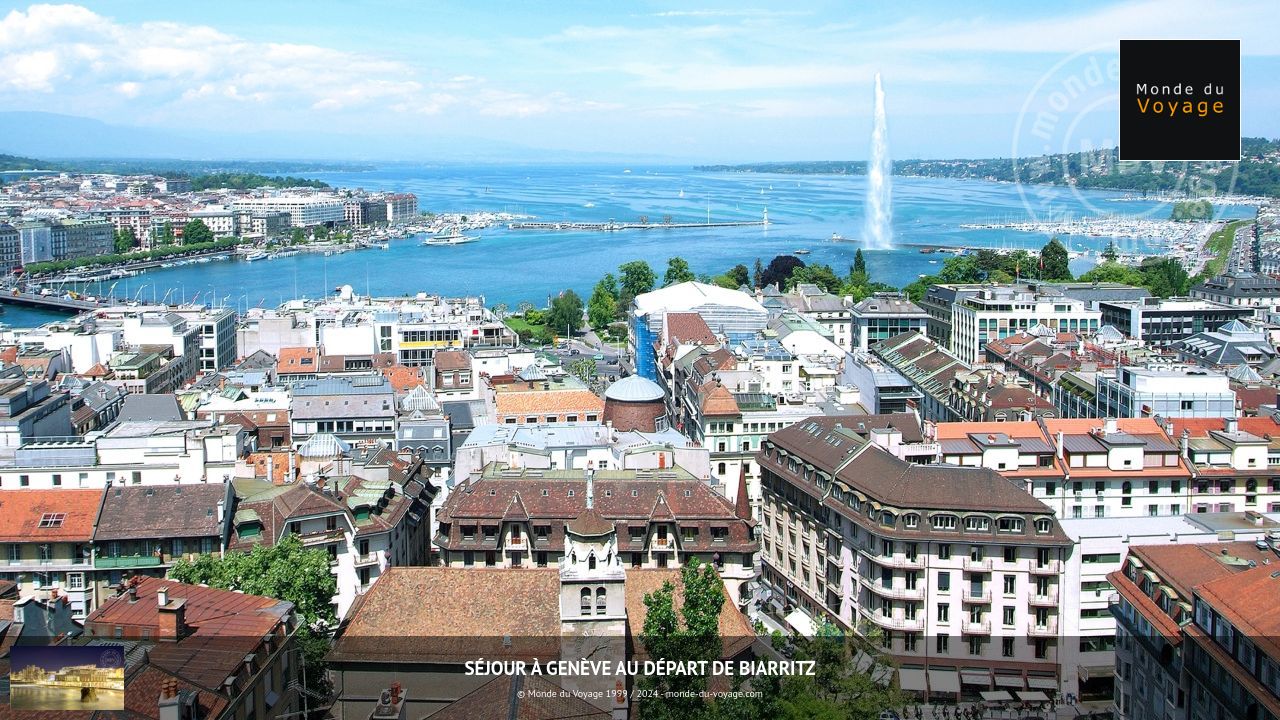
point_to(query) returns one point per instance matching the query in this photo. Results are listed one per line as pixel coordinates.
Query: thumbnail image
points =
(67, 678)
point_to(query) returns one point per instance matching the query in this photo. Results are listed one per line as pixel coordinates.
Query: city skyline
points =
(711, 82)
(57, 657)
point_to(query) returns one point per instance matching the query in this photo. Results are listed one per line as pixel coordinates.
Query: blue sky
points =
(689, 80)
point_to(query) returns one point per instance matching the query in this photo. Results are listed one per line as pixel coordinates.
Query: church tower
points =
(593, 605)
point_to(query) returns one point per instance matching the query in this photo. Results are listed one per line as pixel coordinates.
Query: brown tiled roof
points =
(422, 614)
(23, 512)
(1200, 427)
(452, 360)
(687, 328)
(98, 371)
(1183, 566)
(589, 523)
(142, 692)
(1248, 600)
(163, 511)
(402, 378)
(297, 360)
(549, 402)
(717, 400)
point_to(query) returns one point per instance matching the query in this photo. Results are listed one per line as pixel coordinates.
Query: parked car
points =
(598, 356)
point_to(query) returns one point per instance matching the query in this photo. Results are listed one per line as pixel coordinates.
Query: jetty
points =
(614, 226)
(53, 302)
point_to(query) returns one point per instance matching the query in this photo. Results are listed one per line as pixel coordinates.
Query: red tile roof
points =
(297, 360)
(685, 328)
(60, 515)
(452, 360)
(403, 378)
(1200, 427)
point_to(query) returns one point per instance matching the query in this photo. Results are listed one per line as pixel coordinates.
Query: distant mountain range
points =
(1258, 170)
(52, 136)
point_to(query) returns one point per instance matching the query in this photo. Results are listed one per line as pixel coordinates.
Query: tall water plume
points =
(877, 233)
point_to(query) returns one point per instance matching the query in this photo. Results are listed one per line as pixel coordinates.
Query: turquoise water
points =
(513, 265)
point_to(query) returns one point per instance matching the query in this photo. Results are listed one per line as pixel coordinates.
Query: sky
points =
(688, 80)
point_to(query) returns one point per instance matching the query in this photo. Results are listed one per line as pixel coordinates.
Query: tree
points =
(602, 308)
(523, 308)
(821, 275)
(837, 688)
(1165, 277)
(637, 278)
(286, 571)
(739, 275)
(501, 310)
(779, 271)
(166, 235)
(125, 241)
(1110, 254)
(565, 313)
(584, 368)
(196, 232)
(859, 262)
(1054, 261)
(677, 272)
(757, 274)
(321, 232)
(297, 236)
(1113, 272)
(696, 639)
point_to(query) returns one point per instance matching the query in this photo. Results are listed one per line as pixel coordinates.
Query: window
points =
(1010, 554)
(57, 480)
(944, 613)
(942, 644)
(585, 602)
(1008, 617)
(1011, 525)
(944, 581)
(1006, 646)
(1010, 584)
(24, 481)
(944, 551)
(490, 558)
(51, 520)
(1043, 526)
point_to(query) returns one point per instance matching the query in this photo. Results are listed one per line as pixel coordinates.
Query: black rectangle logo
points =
(1180, 100)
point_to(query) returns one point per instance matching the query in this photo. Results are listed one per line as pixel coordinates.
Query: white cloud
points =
(29, 71)
(129, 89)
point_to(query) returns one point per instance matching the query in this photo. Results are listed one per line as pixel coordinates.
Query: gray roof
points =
(360, 385)
(324, 445)
(150, 408)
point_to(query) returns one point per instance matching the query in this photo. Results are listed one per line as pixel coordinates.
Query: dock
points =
(612, 226)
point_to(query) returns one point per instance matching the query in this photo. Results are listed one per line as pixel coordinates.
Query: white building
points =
(1164, 390)
(997, 312)
(304, 210)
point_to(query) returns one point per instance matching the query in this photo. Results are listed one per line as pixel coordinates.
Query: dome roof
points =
(634, 388)
(323, 445)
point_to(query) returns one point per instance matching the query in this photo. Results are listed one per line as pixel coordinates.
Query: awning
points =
(1014, 681)
(1044, 683)
(976, 677)
(944, 681)
(801, 623)
(911, 679)
(996, 696)
(1033, 696)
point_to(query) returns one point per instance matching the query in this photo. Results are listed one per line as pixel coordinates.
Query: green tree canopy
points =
(565, 313)
(286, 571)
(602, 308)
(779, 271)
(637, 278)
(677, 272)
(859, 262)
(739, 275)
(196, 232)
(665, 637)
(1054, 261)
(125, 241)
(821, 275)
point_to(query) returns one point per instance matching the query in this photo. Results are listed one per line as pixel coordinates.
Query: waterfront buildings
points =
(401, 207)
(304, 210)
(64, 238)
(10, 248)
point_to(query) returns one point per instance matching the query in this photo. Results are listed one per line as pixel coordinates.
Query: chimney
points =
(1059, 445)
(1185, 443)
(591, 486)
(1110, 426)
(222, 510)
(391, 704)
(1232, 424)
(173, 620)
(133, 594)
(171, 703)
(162, 595)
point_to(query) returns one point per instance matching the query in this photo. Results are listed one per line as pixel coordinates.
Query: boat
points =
(926, 251)
(802, 252)
(681, 192)
(589, 205)
(454, 237)
(255, 255)
(836, 237)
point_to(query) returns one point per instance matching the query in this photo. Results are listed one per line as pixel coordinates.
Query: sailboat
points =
(681, 192)
(453, 237)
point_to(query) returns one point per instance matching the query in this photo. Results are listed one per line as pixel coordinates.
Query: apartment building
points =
(48, 543)
(10, 248)
(1195, 629)
(996, 312)
(1139, 391)
(352, 408)
(30, 410)
(1235, 463)
(813, 303)
(882, 316)
(401, 207)
(365, 523)
(930, 368)
(517, 517)
(304, 210)
(957, 568)
(1255, 291)
(1163, 321)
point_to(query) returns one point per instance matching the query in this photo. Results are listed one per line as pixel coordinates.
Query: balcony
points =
(367, 559)
(972, 565)
(1043, 600)
(663, 544)
(896, 593)
(982, 627)
(50, 564)
(1052, 567)
(897, 623)
(324, 537)
(128, 561)
(517, 543)
(1048, 628)
(977, 596)
(893, 561)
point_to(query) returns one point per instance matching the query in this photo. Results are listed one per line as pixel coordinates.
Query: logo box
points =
(1180, 100)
